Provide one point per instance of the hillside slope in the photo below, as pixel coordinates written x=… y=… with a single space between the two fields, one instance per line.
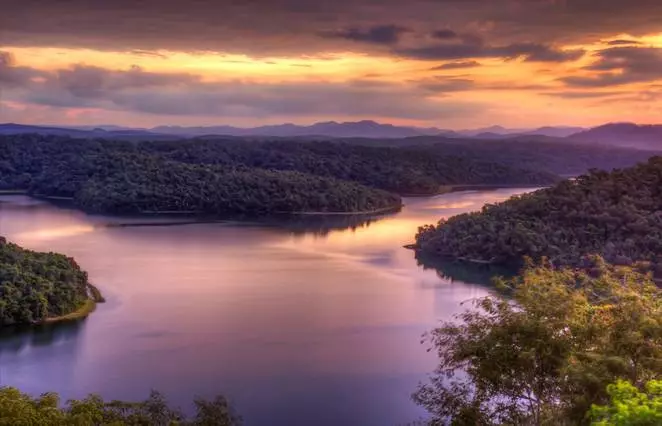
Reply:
x=616 y=215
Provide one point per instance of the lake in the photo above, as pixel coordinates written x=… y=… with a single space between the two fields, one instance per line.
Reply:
x=297 y=322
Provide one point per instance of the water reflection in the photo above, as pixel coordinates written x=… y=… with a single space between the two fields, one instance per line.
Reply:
x=16 y=340
x=454 y=270
x=309 y=321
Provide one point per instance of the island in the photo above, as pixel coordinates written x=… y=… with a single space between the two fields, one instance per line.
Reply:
x=37 y=288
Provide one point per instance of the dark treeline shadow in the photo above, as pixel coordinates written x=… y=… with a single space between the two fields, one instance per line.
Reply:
x=14 y=339
x=322 y=225
x=467 y=272
x=318 y=224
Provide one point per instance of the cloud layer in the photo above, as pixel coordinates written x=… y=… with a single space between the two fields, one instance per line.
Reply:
x=180 y=94
x=437 y=62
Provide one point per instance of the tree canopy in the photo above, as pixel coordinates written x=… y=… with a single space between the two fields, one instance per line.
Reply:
x=545 y=350
x=236 y=176
x=37 y=286
x=616 y=215
x=20 y=409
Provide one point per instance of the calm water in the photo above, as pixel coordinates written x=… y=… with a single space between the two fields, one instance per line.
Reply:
x=295 y=326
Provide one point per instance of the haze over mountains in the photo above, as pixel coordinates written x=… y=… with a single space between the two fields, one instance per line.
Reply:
x=366 y=128
x=623 y=134
x=647 y=137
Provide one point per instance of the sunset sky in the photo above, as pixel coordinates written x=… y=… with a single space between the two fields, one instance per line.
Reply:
x=446 y=63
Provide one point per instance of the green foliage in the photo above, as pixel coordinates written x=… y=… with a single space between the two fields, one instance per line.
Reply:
x=615 y=215
x=37 y=286
x=236 y=177
x=629 y=406
x=551 y=155
x=403 y=170
x=19 y=409
x=144 y=184
x=544 y=352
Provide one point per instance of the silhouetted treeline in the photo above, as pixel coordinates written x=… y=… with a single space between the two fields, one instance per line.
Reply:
x=616 y=215
x=35 y=286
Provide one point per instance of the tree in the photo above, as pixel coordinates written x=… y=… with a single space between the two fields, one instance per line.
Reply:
x=629 y=406
x=20 y=409
x=545 y=349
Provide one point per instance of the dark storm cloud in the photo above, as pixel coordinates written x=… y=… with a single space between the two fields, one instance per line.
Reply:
x=449 y=84
x=622 y=42
x=532 y=52
x=621 y=65
x=292 y=27
x=581 y=94
x=381 y=34
x=444 y=34
x=456 y=65
x=137 y=90
x=445 y=84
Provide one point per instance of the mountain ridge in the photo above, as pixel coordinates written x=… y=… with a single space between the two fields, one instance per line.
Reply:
x=623 y=134
x=333 y=129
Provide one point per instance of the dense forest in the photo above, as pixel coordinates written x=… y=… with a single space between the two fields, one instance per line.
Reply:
x=552 y=155
x=546 y=154
x=143 y=185
x=403 y=170
x=561 y=347
x=37 y=286
x=236 y=176
x=122 y=177
x=616 y=215
x=17 y=408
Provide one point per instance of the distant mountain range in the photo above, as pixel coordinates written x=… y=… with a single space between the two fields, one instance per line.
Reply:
x=359 y=129
x=330 y=129
x=91 y=132
x=646 y=137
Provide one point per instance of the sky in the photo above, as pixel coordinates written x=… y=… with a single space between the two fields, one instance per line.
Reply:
x=451 y=64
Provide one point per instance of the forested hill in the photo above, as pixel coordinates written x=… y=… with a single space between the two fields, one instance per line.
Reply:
x=552 y=155
x=230 y=176
x=617 y=215
x=38 y=286
x=404 y=170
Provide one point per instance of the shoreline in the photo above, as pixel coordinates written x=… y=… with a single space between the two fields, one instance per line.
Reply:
x=68 y=203
x=383 y=210
x=448 y=189
x=443 y=189
x=90 y=305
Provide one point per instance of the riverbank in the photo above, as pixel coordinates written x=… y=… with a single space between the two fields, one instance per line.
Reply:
x=90 y=305
x=415 y=247
x=383 y=210
x=447 y=189
x=68 y=202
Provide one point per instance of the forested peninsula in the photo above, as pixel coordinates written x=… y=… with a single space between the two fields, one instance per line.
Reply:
x=243 y=177
x=617 y=215
x=42 y=287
